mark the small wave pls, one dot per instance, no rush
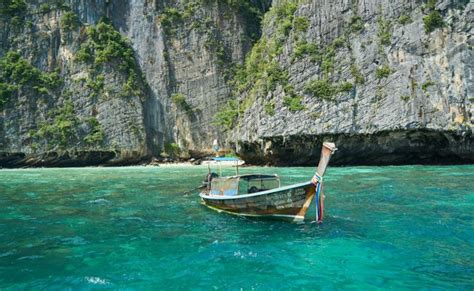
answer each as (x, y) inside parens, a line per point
(99, 201)
(134, 218)
(9, 253)
(30, 258)
(243, 255)
(76, 240)
(97, 281)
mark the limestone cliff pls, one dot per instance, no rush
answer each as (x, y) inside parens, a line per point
(118, 82)
(391, 82)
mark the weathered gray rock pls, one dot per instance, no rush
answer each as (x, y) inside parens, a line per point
(187, 61)
(421, 112)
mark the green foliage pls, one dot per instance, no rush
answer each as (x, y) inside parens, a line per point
(69, 21)
(359, 78)
(301, 24)
(96, 134)
(61, 5)
(44, 8)
(16, 73)
(304, 48)
(404, 19)
(292, 100)
(293, 103)
(104, 45)
(16, 70)
(13, 7)
(325, 90)
(345, 87)
(356, 24)
(413, 84)
(172, 149)
(186, 14)
(6, 91)
(228, 115)
(427, 84)
(338, 42)
(285, 27)
(247, 7)
(429, 5)
(285, 9)
(61, 131)
(405, 98)
(170, 18)
(433, 21)
(215, 45)
(96, 84)
(384, 34)
(261, 73)
(327, 59)
(383, 72)
(321, 89)
(180, 101)
(85, 54)
(51, 80)
(269, 108)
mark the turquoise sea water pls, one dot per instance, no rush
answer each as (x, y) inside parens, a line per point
(84, 228)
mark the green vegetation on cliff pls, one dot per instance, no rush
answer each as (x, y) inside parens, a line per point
(261, 73)
(433, 19)
(188, 12)
(61, 130)
(69, 21)
(304, 48)
(384, 26)
(325, 90)
(105, 45)
(293, 103)
(96, 134)
(228, 115)
(404, 19)
(383, 71)
(12, 8)
(269, 108)
(17, 73)
(179, 100)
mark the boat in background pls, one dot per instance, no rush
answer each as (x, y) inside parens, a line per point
(223, 161)
(262, 196)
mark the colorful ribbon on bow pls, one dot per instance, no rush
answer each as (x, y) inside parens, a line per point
(318, 198)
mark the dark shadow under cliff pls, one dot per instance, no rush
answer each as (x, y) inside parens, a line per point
(384, 148)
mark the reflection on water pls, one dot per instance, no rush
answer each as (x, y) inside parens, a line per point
(132, 227)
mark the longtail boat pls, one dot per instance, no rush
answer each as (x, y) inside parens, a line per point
(262, 196)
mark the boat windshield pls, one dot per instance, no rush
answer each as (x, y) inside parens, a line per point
(225, 186)
(258, 183)
(238, 185)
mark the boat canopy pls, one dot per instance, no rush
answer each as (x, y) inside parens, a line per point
(243, 184)
(227, 159)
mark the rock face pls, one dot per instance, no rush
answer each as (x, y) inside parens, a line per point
(133, 78)
(119, 82)
(391, 82)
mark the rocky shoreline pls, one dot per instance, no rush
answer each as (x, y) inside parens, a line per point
(422, 146)
(86, 159)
